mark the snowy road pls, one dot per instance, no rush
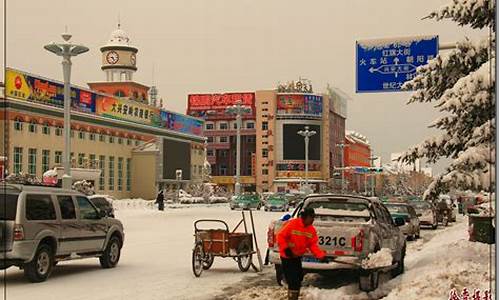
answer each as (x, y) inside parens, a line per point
(156, 264)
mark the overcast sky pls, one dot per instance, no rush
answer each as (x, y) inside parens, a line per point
(202, 46)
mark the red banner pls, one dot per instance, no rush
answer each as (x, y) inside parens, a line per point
(290, 101)
(219, 101)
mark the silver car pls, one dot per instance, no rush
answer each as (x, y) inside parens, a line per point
(41, 226)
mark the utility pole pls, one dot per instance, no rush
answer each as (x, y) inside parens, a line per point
(372, 158)
(342, 146)
(66, 49)
(238, 109)
(306, 133)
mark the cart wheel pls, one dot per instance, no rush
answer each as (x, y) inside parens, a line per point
(208, 261)
(244, 261)
(197, 261)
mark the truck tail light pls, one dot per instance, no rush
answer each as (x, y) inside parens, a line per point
(357, 241)
(270, 236)
(18, 233)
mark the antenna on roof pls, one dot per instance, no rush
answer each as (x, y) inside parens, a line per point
(119, 21)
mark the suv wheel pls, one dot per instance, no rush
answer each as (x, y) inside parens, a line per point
(111, 255)
(40, 267)
(368, 281)
(401, 264)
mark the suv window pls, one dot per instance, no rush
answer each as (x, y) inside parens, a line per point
(67, 207)
(382, 214)
(386, 214)
(8, 206)
(87, 211)
(39, 207)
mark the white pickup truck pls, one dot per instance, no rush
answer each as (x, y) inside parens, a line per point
(353, 231)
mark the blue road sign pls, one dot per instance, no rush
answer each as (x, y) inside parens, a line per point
(384, 65)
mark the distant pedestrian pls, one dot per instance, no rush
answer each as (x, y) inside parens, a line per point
(160, 198)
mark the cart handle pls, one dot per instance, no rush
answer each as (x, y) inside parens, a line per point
(209, 220)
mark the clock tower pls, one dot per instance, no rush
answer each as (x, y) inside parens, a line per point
(119, 57)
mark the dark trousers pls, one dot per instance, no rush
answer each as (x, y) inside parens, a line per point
(292, 270)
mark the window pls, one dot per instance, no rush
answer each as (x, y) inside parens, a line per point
(67, 207)
(39, 207)
(72, 133)
(32, 161)
(200, 170)
(265, 109)
(59, 131)
(223, 153)
(58, 157)
(223, 170)
(223, 139)
(92, 160)
(120, 173)
(137, 143)
(120, 141)
(45, 160)
(251, 139)
(209, 126)
(128, 171)
(32, 127)
(210, 139)
(81, 158)
(81, 135)
(92, 136)
(18, 124)
(265, 152)
(223, 126)
(111, 139)
(265, 171)
(87, 210)
(101, 137)
(120, 93)
(101, 167)
(235, 125)
(18, 160)
(111, 177)
(46, 128)
(250, 125)
(265, 125)
(129, 142)
(210, 152)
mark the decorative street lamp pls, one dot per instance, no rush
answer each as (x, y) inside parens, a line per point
(306, 133)
(238, 109)
(66, 50)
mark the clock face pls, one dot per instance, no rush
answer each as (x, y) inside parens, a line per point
(112, 57)
(133, 59)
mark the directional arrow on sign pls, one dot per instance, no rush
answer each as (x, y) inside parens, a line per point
(394, 69)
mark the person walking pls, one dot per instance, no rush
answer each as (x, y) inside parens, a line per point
(160, 198)
(294, 239)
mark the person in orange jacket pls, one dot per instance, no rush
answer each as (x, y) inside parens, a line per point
(294, 239)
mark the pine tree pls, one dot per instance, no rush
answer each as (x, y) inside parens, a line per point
(462, 86)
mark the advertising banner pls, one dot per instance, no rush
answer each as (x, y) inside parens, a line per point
(128, 110)
(297, 174)
(313, 105)
(24, 86)
(219, 101)
(290, 102)
(181, 123)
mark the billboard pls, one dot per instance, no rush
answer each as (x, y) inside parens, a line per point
(128, 110)
(181, 123)
(293, 144)
(176, 155)
(299, 104)
(28, 87)
(219, 101)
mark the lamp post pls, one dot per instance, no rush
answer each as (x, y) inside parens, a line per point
(306, 133)
(372, 158)
(66, 49)
(342, 146)
(238, 110)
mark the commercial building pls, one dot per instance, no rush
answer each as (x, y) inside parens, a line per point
(273, 154)
(357, 153)
(136, 146)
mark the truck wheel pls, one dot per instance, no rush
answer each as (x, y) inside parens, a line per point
(111, 255)
(39, 269)
(368, 281)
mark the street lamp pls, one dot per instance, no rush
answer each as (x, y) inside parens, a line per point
(306, 133)
(66, 50)
(373, 158)
(238, 109)
(342, 146)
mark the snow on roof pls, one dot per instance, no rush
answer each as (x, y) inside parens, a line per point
(356, 137)
(386, 42)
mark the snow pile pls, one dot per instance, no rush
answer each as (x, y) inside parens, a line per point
(133, 204)
(486, 209)
(379, 259)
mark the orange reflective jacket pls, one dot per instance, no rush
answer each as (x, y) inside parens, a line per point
(299, 239)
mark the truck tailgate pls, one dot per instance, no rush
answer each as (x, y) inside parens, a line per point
(342, 238)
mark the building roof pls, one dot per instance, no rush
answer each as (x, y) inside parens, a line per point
(119, 37)
(356, 137)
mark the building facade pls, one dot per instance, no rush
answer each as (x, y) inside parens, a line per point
(137, 147)
(357, 154)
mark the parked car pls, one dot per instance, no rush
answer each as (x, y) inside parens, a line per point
(276, 202)
(44, 225)
(349, 229)
(411, 228)
(426, 213)
(246, 201)
(104, 203)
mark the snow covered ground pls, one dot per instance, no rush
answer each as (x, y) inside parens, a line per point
(155, 261)
(438, 262)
